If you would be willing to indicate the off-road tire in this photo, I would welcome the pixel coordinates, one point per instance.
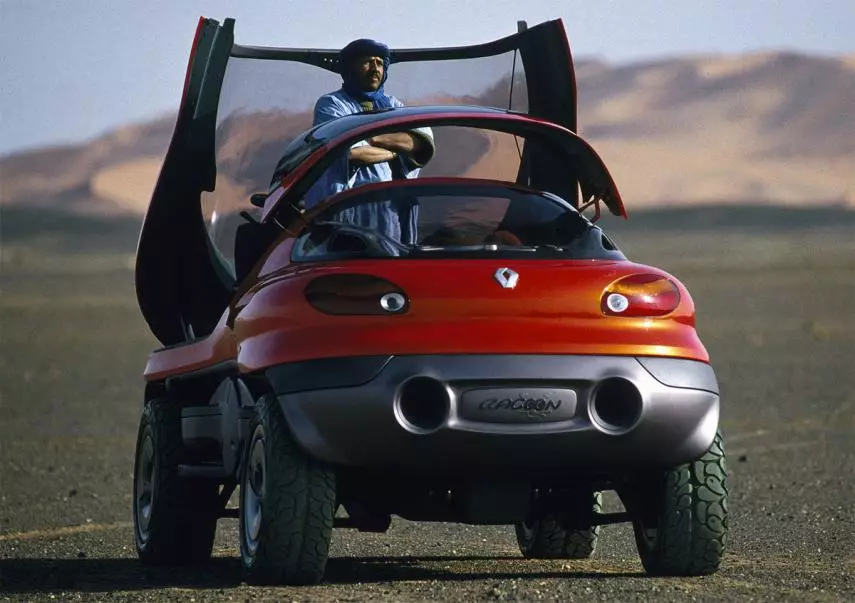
(689, 535)
(545, 538)
(295, 500)
(175, 518)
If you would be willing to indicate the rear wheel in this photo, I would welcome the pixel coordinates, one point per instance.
(545, 538)
(681, 528)
(175, 518)
(287, 504)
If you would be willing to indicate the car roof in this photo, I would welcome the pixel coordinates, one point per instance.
(305, 158)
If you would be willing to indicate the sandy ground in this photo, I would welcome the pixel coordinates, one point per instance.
(775, 312)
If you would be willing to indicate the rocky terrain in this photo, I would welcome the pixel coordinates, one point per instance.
(776, 318)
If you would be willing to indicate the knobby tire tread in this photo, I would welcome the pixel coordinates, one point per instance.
(298, 509)
(552, 541)
(184, 517)
(693, 523)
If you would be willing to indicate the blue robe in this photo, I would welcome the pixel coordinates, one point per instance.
(395, 219)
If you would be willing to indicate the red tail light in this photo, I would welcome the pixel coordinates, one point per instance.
(356, 294)
(640, 295)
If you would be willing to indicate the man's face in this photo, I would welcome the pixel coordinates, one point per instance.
(369, 72)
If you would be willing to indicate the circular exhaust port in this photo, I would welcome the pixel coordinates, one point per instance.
(616, 406)
(423, 404)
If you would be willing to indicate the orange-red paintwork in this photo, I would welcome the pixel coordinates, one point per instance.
(457, 307)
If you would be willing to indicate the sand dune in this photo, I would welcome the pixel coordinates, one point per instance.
(761, 128)
(129, 184)
(502, 158)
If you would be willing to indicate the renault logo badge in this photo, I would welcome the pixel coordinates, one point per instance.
(507, 278)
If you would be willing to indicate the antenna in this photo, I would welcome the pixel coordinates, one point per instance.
(522, 26)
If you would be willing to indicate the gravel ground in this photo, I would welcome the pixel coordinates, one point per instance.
(782, 338)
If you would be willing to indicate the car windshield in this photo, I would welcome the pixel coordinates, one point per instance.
(452, 220)
(265, 104)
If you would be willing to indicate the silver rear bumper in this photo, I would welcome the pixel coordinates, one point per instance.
(502, 411)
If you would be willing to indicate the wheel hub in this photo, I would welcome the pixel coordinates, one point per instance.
(253, 491)
(145, 486)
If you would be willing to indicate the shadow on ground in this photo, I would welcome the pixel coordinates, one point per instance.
(97, 575)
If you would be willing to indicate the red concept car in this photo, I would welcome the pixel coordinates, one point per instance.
(464, 346)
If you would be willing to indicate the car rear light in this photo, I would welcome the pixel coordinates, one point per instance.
(356, 294)
(641, 295)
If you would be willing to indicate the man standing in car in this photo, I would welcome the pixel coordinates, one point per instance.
(364, 68)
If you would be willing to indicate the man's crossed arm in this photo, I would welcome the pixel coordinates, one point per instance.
(386, 147)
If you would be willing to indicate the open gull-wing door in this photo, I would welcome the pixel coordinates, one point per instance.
(182, 283)
(242, 105)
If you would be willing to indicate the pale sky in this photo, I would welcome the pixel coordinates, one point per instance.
(73, 69)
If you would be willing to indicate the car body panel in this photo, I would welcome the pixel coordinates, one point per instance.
(462, 310)
(217, 350)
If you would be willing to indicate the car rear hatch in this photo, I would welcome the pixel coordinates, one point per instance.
(459, 307)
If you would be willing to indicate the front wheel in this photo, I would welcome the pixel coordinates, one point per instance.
(287, 504)
(681, 526)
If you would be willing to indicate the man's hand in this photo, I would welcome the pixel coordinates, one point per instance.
(399, 142)
(387, 147)
(405, 143)
(369, 155)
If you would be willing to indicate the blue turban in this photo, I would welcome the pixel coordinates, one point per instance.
(364, 48)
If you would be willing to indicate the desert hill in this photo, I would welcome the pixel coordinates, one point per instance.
(70, 176)
(774, 127)
(771, 128)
